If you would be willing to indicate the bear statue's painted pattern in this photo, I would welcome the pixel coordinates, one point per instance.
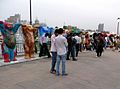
(9, 41)
(28, 32)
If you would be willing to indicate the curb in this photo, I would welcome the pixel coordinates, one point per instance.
(22, 60)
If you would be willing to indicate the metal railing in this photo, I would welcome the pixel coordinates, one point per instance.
(20, 48)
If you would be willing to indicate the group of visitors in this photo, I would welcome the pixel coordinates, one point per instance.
(64, 45)
(67, 45)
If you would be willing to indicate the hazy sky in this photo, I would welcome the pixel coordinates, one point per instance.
(86, 14)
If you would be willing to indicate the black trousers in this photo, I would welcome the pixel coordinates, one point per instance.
(71, 49)
(44, 50)
(77, 49)
(99, 51)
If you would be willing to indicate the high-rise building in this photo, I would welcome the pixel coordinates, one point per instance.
(37, 23)
(101, 27)
(14, 19)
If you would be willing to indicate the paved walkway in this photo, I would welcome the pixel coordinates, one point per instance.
(88, 72)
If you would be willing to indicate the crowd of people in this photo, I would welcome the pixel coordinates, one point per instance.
(67, 45)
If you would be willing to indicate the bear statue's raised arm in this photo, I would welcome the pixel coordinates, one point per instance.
(2, 27)
(16, 26)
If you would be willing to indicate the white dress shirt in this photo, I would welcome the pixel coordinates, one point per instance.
(53, 47)
(61, 44)
(78, 39)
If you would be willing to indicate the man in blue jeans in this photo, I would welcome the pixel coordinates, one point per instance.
(61, 44)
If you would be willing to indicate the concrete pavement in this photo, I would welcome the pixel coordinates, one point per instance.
(88, 72)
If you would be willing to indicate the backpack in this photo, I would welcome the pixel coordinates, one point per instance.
(74, 41)
(9, 40)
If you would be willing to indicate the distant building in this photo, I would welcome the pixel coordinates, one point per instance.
(43, 24)
(14, 19)
(90, 30)
(37, 23)
(17, 19)
(101, 27)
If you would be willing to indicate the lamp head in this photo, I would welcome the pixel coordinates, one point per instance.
(118, 19)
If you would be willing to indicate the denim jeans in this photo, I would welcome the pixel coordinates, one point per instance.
(54, 58)
(11, 54)
(63, 59)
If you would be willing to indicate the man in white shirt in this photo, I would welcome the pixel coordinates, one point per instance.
(54, 52)
(78, 39)
(61, 45)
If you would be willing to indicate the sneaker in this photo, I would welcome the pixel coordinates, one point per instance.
(39, 55)
(96, 56)
(53, 72)
(64, 74)
(49, 56)
(67, 59)
(74, 59)
(57, 74)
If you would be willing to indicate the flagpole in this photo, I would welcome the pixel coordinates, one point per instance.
(30, 13)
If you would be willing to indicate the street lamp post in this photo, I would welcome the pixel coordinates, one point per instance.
(118, 20)
(30, 13)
